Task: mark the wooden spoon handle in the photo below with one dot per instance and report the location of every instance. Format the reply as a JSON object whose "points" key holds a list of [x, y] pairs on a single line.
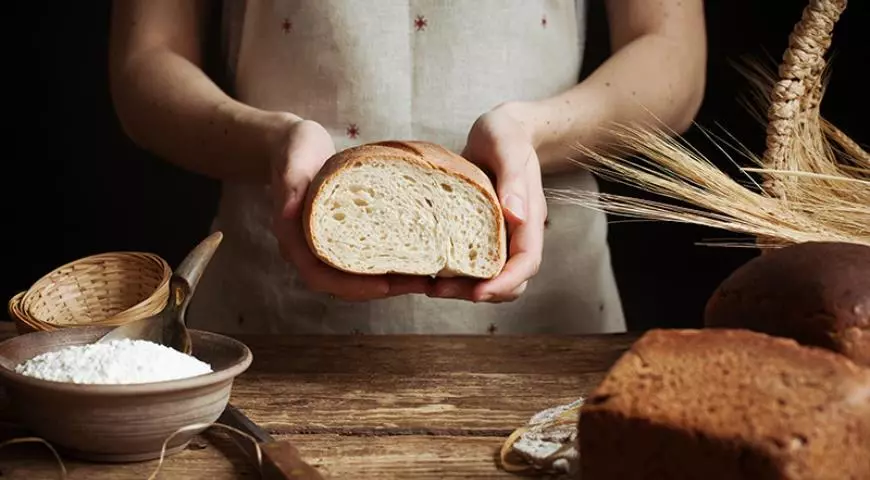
{"points": [[191, 268], [281, 461]]}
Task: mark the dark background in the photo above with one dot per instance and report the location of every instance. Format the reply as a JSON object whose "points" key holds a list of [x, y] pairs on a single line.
{"points": [[76, 186]]}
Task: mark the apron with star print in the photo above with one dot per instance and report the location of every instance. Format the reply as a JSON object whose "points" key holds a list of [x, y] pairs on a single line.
{"points": [[402, 69]]}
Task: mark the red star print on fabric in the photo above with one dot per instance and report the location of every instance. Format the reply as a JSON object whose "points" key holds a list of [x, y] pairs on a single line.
{"points": [[286, 26], [544, 21], [420, 23], [352, 130]]}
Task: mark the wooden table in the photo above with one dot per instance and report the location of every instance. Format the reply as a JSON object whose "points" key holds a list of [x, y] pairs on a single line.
{"points": [[375, 406]]}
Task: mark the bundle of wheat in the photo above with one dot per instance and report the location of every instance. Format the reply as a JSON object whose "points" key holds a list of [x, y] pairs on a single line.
{"points": [[811, 184]]}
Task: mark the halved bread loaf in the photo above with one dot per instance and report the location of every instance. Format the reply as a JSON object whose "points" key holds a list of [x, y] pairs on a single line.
{"points": [[405, 207]]}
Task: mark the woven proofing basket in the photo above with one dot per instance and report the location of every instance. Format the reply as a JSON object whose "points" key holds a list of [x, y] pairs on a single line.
{"points": [[107, 289]]}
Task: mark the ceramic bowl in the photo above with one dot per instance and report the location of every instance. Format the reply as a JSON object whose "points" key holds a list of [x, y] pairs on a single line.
{"points": [[118, 423]]}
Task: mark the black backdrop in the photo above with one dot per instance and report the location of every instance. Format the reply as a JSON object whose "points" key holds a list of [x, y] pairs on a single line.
{"points": [[76, 186]]}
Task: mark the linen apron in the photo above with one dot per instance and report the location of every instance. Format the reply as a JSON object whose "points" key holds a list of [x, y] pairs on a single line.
{"points": [[402, 69]]}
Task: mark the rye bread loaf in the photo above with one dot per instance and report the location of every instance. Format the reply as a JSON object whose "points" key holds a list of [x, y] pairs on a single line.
{"points": [[817, 293], [727, 404], [411, 208]]}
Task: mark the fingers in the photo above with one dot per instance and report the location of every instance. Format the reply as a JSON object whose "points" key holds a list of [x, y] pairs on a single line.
{"points": [[474, 291], [510, 155], [510, 284], [310, 146], [524, 262], [461, 288], [320, 277], [512, 182], [526, 235], [408, 284], [512, 281]]}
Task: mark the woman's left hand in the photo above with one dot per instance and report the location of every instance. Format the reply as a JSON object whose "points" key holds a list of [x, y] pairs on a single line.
{"points": [[500, 144]]}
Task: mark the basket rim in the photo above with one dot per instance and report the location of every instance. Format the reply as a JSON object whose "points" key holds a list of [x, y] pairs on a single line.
{"points": [[20, 318], [125, 253], [23, 296]]}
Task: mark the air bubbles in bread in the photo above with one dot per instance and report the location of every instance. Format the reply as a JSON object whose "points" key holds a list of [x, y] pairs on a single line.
{"points": [[422, 207]]}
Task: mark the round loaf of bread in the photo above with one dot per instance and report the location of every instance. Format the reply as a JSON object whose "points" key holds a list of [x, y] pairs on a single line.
{"points": [[817, 293], [412, 208]]}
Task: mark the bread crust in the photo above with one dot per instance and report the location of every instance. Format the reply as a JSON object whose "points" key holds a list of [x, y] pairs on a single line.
{"points": [[725, 404], [425, 154], [817, 293]]}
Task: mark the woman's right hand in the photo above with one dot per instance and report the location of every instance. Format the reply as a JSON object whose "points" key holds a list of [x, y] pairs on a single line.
{"points": [[298, 154]]}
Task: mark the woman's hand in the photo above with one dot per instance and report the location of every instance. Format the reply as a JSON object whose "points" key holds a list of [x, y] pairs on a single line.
{"points": [[502, 145], [298, 155]]}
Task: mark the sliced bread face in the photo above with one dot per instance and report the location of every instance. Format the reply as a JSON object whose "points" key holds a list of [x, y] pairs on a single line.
{"points": [[405, 207]]}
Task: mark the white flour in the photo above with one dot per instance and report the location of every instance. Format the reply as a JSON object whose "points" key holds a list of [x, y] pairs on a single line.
{"points": [[115, 362]]}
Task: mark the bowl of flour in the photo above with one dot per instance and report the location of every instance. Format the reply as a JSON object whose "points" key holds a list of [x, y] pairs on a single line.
{"points": [[118, 401]]}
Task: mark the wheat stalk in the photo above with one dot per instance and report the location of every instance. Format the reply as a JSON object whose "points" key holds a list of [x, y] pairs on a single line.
{"points": [[820, 191], [823, 202]]}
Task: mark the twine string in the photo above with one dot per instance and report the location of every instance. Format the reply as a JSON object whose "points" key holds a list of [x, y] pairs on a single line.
{"points": [[20, 440], [199, 426], [163, 448]]}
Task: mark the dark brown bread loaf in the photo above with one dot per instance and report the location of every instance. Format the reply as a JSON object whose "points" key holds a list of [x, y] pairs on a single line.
{"points": [[817, 293], [727, 404]]}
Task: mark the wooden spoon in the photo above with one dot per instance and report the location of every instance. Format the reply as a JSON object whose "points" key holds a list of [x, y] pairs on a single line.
{"points": [[280, 459], [169, 326]]}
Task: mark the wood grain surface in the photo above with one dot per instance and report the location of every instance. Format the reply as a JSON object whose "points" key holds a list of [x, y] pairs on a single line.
{"points": [[373, 406]]}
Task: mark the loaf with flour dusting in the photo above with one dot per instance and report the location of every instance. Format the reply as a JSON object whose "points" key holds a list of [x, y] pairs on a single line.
{"points": [[405, 207], [727, 404]]}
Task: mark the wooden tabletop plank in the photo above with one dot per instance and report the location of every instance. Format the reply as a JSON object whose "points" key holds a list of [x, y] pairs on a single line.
{"points": [[415, 355], [424, 354], [447, 404], [418, 457]]}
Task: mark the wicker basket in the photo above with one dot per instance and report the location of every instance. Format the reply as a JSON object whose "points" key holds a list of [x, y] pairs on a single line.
{"points": [[795, 98], [22, 322], [107, 289]]}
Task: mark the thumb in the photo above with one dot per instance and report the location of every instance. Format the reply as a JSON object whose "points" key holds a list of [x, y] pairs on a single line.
{"points": [[295, 183], [512, 187], [309, 147], [288, 186], [293, 180]]}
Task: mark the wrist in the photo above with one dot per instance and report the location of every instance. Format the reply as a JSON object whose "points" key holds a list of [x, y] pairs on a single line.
{"points": [[279, 127], [527, 115], [560, 123]]}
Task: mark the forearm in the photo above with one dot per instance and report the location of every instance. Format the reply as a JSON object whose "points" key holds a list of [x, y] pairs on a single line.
{"points": [[652, 80], [168, 106]]}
